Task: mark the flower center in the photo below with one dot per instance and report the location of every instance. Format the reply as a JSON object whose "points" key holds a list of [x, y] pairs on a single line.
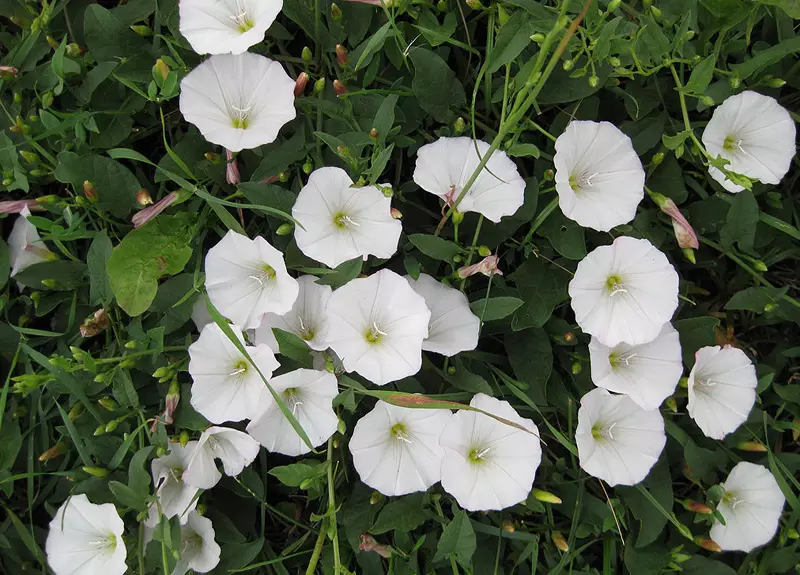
{"points": [[617, 359], [578, 183], [176, 473], [192, 542], [603, 431], [241, 19], [306, 332], [400, 433], [374, 334], [478, 454], [343, 221], [105, 541], [615, 286], [264, 273], [240, 117], [240, 368], [292, 398], [704, 385], [731, 499], [733, 144]]}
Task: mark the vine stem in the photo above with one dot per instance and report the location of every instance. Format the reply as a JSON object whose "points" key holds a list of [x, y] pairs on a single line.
{"points": [[312, 563], [334, 528]]}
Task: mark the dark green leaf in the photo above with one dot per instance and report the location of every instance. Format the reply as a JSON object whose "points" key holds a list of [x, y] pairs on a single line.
{"points": [[99, 284], [458, 538], [435, 247], [495, 307], [435, 85]]}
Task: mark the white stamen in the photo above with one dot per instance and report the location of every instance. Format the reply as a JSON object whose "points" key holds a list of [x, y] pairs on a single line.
{"points": [[376, 330], [348, 221], [588, 179], [480, 454], [402, 437], [610, 428], [236, 372], [626, 358], [618, 288]]}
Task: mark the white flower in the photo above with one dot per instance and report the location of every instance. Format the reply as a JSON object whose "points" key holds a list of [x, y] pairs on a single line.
{"points": [[488, 464], [309, 395], [226, 26], [376, 325], [599, 177], [86, 539], [25, 245], [752, 507], [453, 327], [445, 166], [339, 222], [226, 387], [647, 373], [307, 319], [247, 278], [396, 449], [722, 390], [624, 292], [618, 441], [237, 450], [756, 134], [199, 550], [238, 101], [175, 496]]}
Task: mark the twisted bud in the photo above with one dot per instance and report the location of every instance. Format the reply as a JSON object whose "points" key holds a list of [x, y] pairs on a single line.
{"points": [[487, 266], [300, 84], [232, 175], [684, 232]]}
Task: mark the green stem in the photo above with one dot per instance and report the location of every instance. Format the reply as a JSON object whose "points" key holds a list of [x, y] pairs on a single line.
{"points": [[337, 560], [685, 112], [472, 251], [312, 563], [543, 215], [167, 349]]}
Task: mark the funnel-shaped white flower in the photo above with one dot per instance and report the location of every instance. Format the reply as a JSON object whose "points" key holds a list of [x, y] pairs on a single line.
{"points": [[757, 136], [647, 373], [25, 245], [175, 496], [376, 325], [247, 278], [624, 292], [722, 390], [199, 550], [226, 26], [489, 465], [339, 222], [618, 441], [309, 395], [235, 449], [751, 506], [396, 449], [226, 386], [453, 327], [238, 101], [599, 177], [444, 167], [86, 539], [307, 319]]}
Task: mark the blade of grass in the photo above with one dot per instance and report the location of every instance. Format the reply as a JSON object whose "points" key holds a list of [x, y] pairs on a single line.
{"points": [[76, 438]]}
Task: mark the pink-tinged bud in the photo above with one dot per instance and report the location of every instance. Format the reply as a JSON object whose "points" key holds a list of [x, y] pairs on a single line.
{"points": [[232, 175], [559, 541], [341, 55], [683, 230], [90, 191], [708, 544], [8, 71], [16, 206], [368, 543], [141, 218], [487, 266], [143, 198], [697, 507], [172, 400], [300, 84], [339, 87], [396, 214], [95, 324], [270, 180]]}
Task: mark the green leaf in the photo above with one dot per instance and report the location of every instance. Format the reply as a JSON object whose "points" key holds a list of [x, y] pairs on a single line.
{"points": [[651, 520], [127, 496], [695, 332], [107, 38], [159, 248], [296, 473], [293, 347], [523, 151], [60, 275], [402, 515], [9, 161], [435, 247], [767, 57], [268, 195], [531, 358], [365, 51], [458, 538], [514, 37], [541, 286], [603, 47], [115, 185], [10, 442], [495, 308], [435, 85], [342, 273], [701, 76], [755, 298], [740, 225], [99, 284], [566, 236]]}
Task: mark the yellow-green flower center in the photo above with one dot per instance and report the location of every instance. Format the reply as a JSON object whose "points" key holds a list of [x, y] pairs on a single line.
{"points": [[732, 144], [477, 455], [239, 369], [374, 334], [342, 221]]}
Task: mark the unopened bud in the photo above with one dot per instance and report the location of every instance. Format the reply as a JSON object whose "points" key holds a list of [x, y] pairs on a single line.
{"points": [[792, 533], [546, 497], [100, 430], [29, 157], [89, 191], [657, 13], [707, 100], [508, 526], [475, 4], [697, 507], [755, 446], [559, 541], [569, 337], [538, 38], [375, 498], [549, 175], [144, 31], [734, 82], [594, 81], [108, 403], [341, 56], [672, 404], [577, 368], [688, 253], [96, 471], [614, 61], [658, 157], [341, 427], [284, 229], [373, 134], [776, 82], [143, 198], [771, 307], [343, 150], [396, 214], [184, 438], [339, 87], [127, 363], [484, 251], [458, 217], [308, 167], [708, 544], [319, 86], [689, 35], [459, 125], [307, 55], [568, 65], [212, 157], [161, 69], [75, 412], [614, 5], [55, 451], [760, 266], [336, 13], [300, 84], [283, 177]]}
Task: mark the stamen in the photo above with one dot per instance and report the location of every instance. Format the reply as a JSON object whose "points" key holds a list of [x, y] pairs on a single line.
{"points": [[240, 117], [588, 179], [376, 330], [618, 288], [626, 358], [344, 220], [403, 437], [258, 279], [610, 428], [483, 452], [236, 372]]}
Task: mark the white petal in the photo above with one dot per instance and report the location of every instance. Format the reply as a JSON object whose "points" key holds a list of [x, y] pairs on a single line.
{"points": [[199, 551], [234, 448], [722, 390], [175, 496], [223, 26], [25, 246], [200, 315], [202, 471], [453, 327]]}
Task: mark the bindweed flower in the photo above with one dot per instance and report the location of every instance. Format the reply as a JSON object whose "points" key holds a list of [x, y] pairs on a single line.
{"points": [[141, 217], [238, 101], [444, 167], [487, 266], [368, 543], [756, 135], [751, 505], [396, 449], [376, 325], [200, 553], [86, 539], [25, 245], [624, 292], [232, 175], [599, 177], [307, 319], [618, 441], [453, 327], [226, 26], [489, 465], [340, 222], [647, 373], [235, 449], [308, 394], [17, 206], [226, 387], [174, 496], [722, 390], [247, 278]]}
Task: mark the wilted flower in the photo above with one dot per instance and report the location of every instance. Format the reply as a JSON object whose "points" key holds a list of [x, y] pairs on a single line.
{"points": [[141, 217], [232, 175], [95, 324], [9, 70], [86, 539], [377, 326], [489, 465], [618, 441], [453, 327], [235, 449], [340, 222], [751, 506], [444, 167], [25, 245], [226, 26], [599, 177], [174, 495], [247, 278], [199, 551], [238, 101], [396, 449], [368, 543], [684, 232], [624, 292], [487, 266], [722, 390], [17, 206], [143, 198], [308, 394], [757, 136]]}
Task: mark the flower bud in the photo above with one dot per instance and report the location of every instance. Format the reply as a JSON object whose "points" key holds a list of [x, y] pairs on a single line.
{"points": [[484, 251], [658, 157], [594, 81], [336, 13], [546, 497], [144, 31], [671, 404], [771, 307], [459, 125], [451, 370], [657, 13], [7, 72], [183, 439], [508, 526], [89, 191], [755, 446], [127, 363], [614, 5], [339, 87], [487, 267], [707, 100], [29, 157], [734, 82], [373, 134], [308, 167], [341, 56], [306, 54], [161, 69], [212, 157], [538, 38], [108, 404], [232, 175], [96, 471], [38, 173], [284, 229], [577, 368], [55, 451], [300, 84], [143, 198], [475, 4], [776, 83], [760, 265], [614, 62], [112, 425], [396, 214], [697, 507], [559, 541], [343, 151], [171, 401], [568, 65], [283, 177], [319, 86], [688, 253], [100, 430], [708, 544], [75, 412], [375, 498], [458, 217], [792, 533]]}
